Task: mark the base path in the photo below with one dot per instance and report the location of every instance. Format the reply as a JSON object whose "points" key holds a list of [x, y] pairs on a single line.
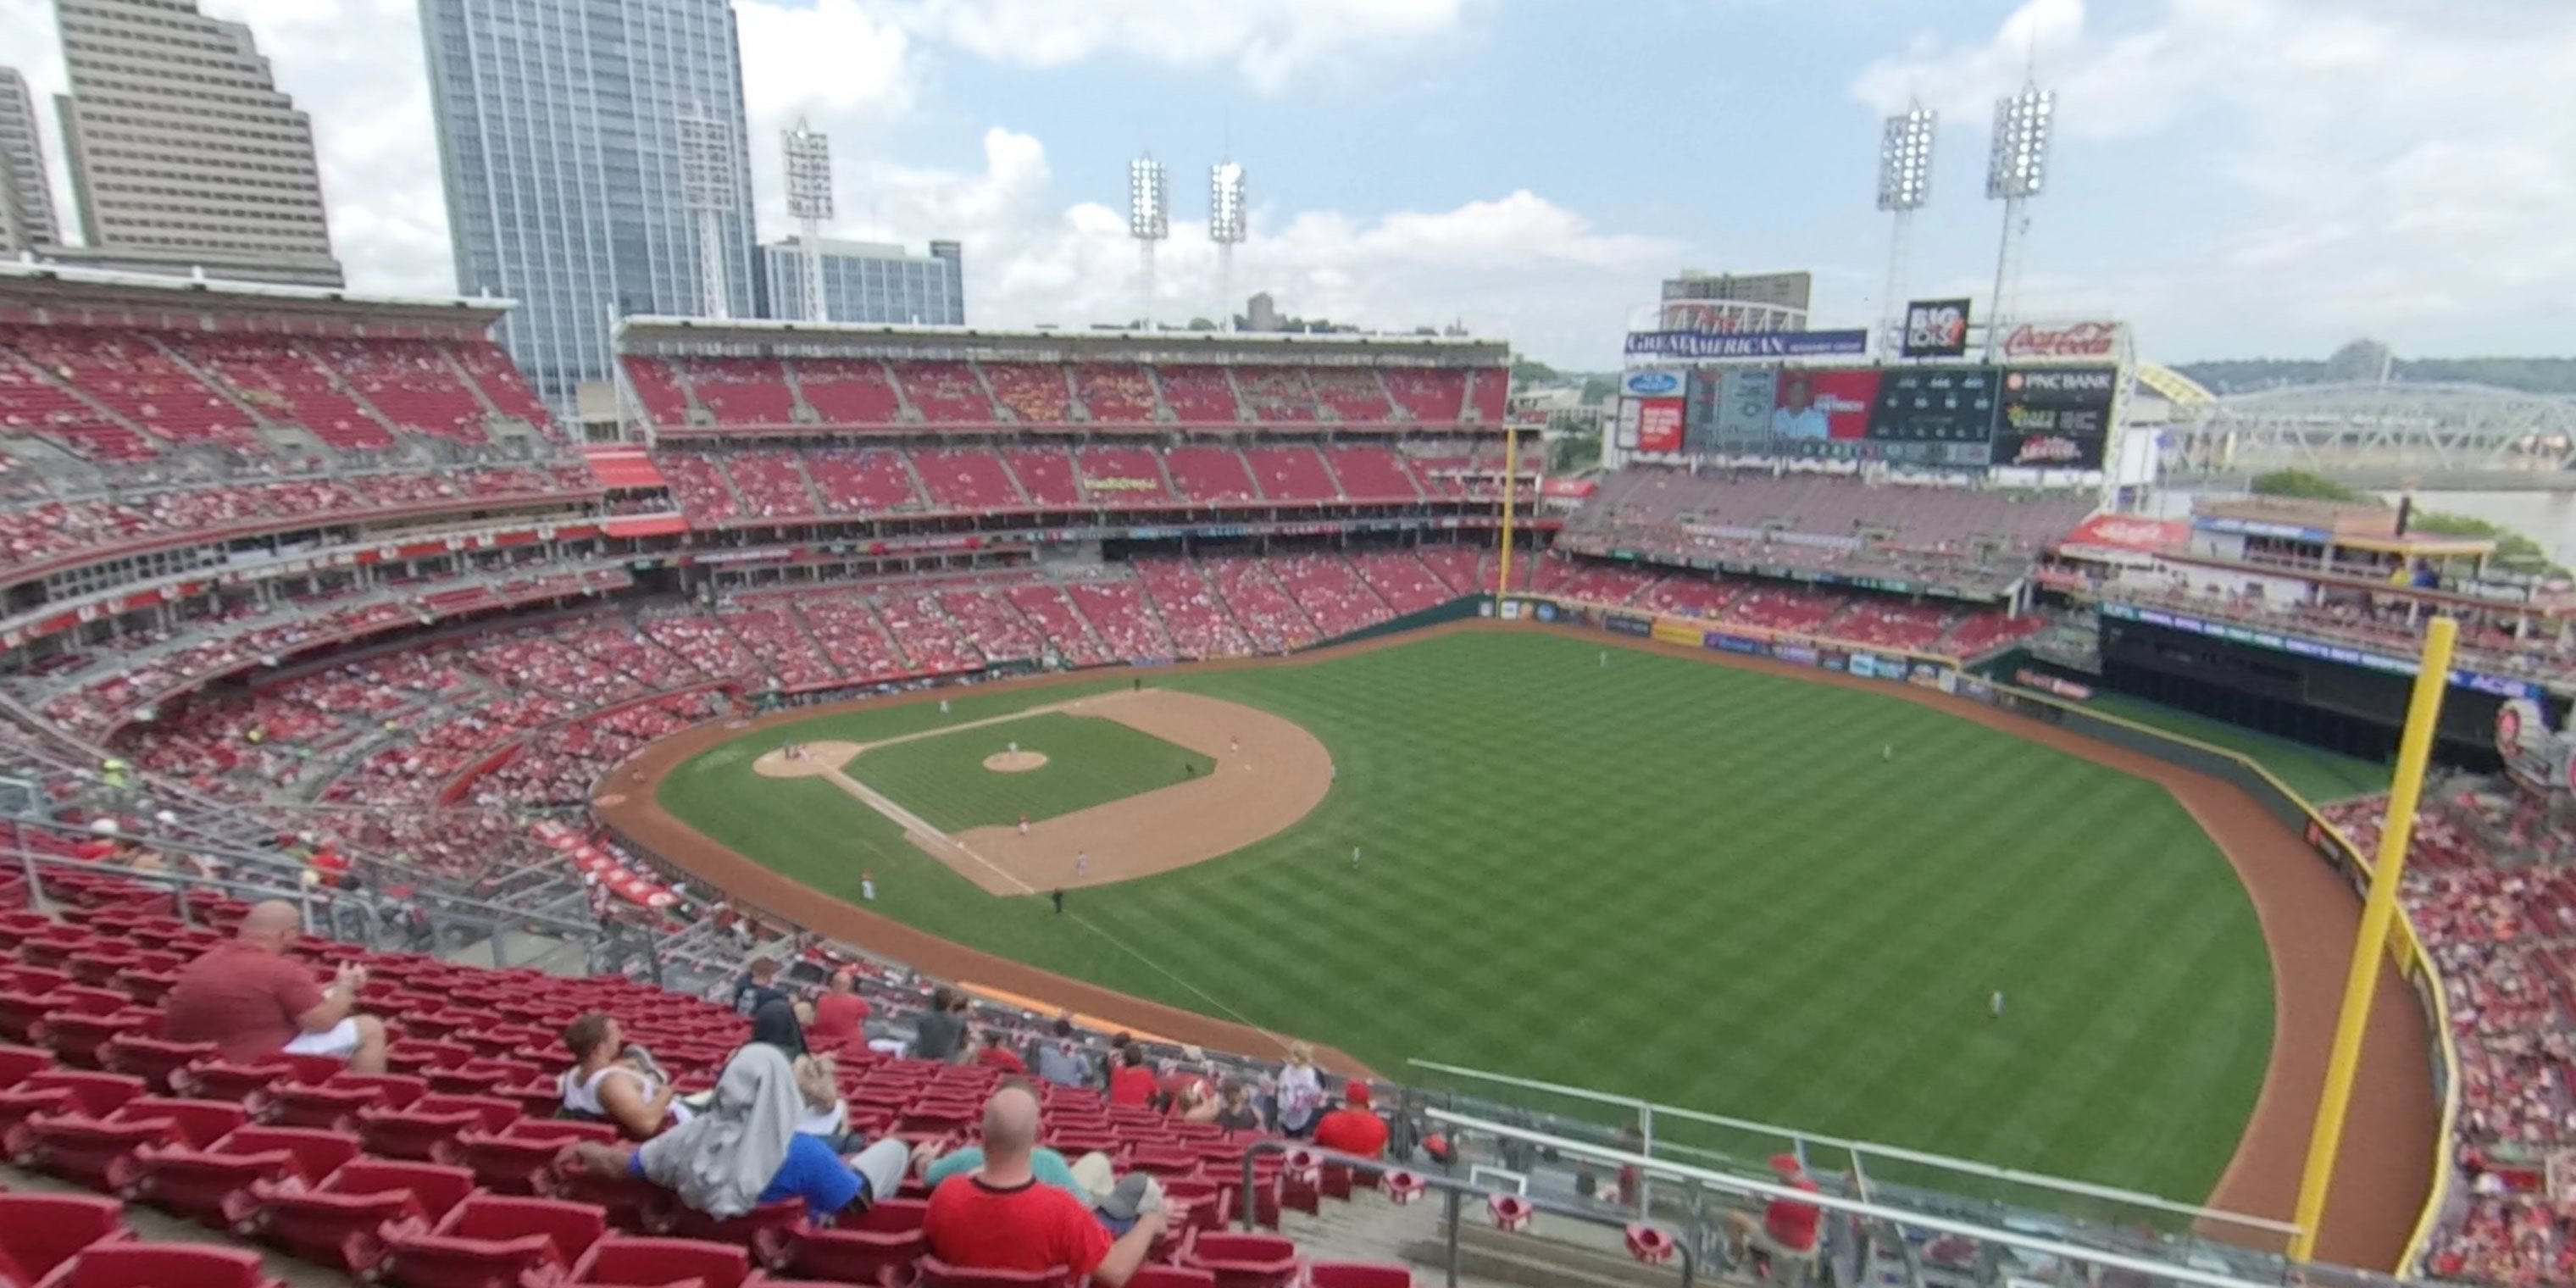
{"points": [[2308, 915], [1269, 773]]}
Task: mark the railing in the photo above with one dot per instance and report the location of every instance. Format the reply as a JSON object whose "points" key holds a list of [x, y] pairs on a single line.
{"points": [[2005, 1194], [2041, 1258], [1453, 1194]]}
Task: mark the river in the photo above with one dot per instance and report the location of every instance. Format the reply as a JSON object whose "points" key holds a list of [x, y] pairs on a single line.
{"points": [[2546, 517]]}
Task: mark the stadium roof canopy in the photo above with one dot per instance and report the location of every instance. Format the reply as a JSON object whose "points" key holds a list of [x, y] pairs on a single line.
{"points": [[752, 336], [31, 290]]}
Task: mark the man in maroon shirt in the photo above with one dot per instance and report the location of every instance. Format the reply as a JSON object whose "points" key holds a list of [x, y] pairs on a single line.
{"points": [[251, 1000], [1354, 1128], [840, 1014], [1788, 1228], [1000, 1217]]}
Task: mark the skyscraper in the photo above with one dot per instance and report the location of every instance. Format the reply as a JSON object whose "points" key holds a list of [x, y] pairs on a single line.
{"points": [[868, 282], [183, 153], [26, 204], [560, 126]]}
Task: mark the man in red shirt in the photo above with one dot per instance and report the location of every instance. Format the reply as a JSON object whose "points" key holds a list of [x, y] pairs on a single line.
{"points": [[1000, 1217], [1353, 1129], [251, 1000], [840, 1014], [1131, 1083], [994, 1054], [1788, 1227]]}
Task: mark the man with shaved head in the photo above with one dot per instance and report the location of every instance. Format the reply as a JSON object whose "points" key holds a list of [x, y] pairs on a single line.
{"points": [[1001, 1218], [251, 1000]]}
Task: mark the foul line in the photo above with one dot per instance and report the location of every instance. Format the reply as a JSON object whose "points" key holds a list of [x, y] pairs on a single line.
{"points": [[911, 822], [1166, 972]]}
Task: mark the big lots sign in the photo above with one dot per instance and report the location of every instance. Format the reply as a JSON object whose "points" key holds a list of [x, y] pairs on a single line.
{"points": [[2080, 340]]}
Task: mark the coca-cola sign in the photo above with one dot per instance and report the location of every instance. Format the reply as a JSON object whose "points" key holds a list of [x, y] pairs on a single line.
{"points": [[2081, 340]]}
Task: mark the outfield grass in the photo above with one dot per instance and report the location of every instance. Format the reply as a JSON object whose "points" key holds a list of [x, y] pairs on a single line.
{"points": [[1666, 879], [2312, 772], [1090, 762]]}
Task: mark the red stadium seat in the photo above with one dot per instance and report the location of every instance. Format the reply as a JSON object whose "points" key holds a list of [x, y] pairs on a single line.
{"points": [[344, 1220], [1355, 1274], [212, 1185], [876, 1248], [427, 1129], [41, 1231], [160, 1265], [939, 1274], [490, 1241], [1171, 1277], [621, 1260], [1242, 1260]]}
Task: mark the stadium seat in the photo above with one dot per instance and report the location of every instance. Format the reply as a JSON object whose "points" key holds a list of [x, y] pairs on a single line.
{"points": [[766, 1230], [490, 1241], [212, 1185], [621, 1260], [1356, 1274], [882, 1242], [1242, 1260], [939, 1274], [159, 1265], [41, 1231], [343, 1220], [426, 1130], [1171, 1277]]}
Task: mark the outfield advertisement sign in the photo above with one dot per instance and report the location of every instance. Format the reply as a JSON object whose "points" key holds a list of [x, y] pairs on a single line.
{"points": [[1726, 643], [2322, 650], [1628, 624], [1747, 344]]}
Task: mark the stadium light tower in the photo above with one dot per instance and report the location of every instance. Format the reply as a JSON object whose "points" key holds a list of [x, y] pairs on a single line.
{"points": [[708, 181], [1904, 186], [1149, 216], [2016, 171], [809, 200], [1228, 223]]}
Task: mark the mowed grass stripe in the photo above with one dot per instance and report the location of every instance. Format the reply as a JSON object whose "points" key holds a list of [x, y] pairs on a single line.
{"points": [[1662, 878]]}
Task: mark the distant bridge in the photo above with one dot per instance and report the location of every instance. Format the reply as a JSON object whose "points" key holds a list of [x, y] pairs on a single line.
{"points": [[2449, 436]]}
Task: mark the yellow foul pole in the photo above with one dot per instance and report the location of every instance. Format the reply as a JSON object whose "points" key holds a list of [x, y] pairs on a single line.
{"points": [[1511, 492], [2378, 915]]}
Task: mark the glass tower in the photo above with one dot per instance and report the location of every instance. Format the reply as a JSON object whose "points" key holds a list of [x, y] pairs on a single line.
{"points": [[866, 282], [559, 126]]}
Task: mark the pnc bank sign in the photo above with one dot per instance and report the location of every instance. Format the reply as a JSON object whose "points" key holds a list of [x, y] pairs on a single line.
{"points": [[2079, 341]]}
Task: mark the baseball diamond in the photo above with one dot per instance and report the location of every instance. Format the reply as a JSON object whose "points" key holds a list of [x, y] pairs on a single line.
{"points": [[1755, 889]]}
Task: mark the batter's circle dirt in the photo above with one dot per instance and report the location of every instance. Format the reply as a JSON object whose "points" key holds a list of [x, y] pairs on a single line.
{"points": [[2308, 915], [1015, 762]]}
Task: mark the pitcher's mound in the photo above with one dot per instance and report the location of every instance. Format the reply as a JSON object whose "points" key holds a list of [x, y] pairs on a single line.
{"points": [[1015, 762]]}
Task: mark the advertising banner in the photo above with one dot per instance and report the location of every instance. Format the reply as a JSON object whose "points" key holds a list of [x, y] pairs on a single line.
{"points": [[1936, 328], [1624, 436], [1625, 624], [1819, 406], [1936, 415], [1726, 643], [1747, 344], [2055, 418], [1833, 659], [1651, 384], [1865, 664], [1659, 425], [1798, 653], [1682, 633], [2072, 342]]}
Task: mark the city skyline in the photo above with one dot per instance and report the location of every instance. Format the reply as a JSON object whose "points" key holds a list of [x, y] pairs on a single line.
{"points": [[2261, 177]]}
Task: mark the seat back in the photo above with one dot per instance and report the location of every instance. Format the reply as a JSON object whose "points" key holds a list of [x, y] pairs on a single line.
{"points": [[159, 1265], [939, 1274], [661, 1261], [1357, 1274], [42, 1231]]}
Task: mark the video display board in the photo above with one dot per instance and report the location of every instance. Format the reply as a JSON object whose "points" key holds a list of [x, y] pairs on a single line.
{"points": [[1962, 416], [2055, 418]]}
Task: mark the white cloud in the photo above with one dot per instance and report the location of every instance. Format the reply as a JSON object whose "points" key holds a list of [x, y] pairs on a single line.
{"points": [[2401, 166], [1517, 265], [1268, 42]]}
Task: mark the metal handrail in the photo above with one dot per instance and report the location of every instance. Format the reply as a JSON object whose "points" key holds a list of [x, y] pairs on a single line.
{"points": [[1452, 1191], [1765, 1191]]}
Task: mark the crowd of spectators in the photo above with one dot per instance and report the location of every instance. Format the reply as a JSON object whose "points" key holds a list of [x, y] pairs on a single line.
{"points": [[2491, 888]]}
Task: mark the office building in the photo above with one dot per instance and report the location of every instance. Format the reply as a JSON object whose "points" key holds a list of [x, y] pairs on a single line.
{"points": [[26, 202], [869, 282], [560, 129], [1698, 301], [183, 153]]}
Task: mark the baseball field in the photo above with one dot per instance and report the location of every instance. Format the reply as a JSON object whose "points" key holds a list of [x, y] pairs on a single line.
{"points": [[1716, 887]]}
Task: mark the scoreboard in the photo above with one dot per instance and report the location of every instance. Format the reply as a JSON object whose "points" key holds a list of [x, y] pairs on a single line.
{"points": [[1959, 416]]}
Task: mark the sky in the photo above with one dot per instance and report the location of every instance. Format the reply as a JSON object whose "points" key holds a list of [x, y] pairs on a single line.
{"points": [[2236, 178]]}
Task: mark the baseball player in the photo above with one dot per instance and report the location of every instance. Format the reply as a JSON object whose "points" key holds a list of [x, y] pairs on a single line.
{"points": [[1995, 1006], [1024, 825], [868, 886], [1355, 858], [1887, 752], [1081, 864]]}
